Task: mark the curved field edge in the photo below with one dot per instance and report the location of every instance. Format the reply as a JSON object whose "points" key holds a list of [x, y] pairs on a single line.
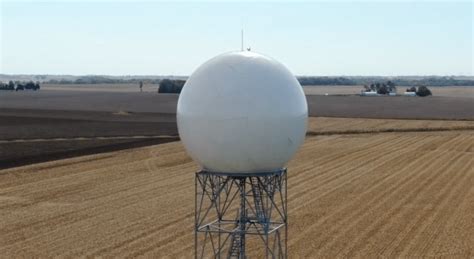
{"points": [[399, 194]]}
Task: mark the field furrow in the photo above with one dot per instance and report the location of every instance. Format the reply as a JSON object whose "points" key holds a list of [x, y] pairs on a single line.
{"points": [[399, 194]]}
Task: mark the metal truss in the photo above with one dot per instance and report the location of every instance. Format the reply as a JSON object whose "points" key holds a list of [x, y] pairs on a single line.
{"points": [[239, 215]]}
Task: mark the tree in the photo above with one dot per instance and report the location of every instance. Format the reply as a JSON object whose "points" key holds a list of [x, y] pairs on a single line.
{"points": [[382, 89], [30, 85], [19, 86], [372, 87], [423, 91], [171, 86], [377, 86], [391, 86], [165, 86], [11, 85]]}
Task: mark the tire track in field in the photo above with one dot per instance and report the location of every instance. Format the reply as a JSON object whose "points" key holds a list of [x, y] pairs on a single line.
{"points": [[296, 209], [67, 165], [150, 236], [97, 212], [76, 221], [456, 227], [360, 211], [327, 217], [384, 222], [319, 196], [464, 219], [144, 182], [69, 253], [389, 130], [395, 210], [149, 233], [103, 223], [60, 179], [404, 236], [351, 178], [437, 220], [406, 196], [177, 190], [359, 215], [348, 157], [125, 230], [180, 170], [137, 237], [307, 177], [312, 151], [141, 251], [364, 150], [353, 155], [64, 172], [309, 133], [39, 140]]}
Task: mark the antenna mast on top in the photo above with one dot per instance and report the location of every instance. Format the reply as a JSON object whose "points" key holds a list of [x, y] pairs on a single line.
{"points": [[242, 40]]}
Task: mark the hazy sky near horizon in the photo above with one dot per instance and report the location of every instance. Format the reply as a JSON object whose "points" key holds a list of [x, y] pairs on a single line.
{"points": [[174, 38]]}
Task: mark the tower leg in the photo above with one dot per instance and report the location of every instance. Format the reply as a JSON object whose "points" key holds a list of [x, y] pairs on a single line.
{"points": [[243, 218], [258, 229]]}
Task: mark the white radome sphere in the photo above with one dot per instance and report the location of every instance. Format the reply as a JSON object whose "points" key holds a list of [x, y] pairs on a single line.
{"points": [[242, 112]]}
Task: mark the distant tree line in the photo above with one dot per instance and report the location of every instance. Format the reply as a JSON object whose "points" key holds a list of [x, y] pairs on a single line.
{"points": [[102, 80], [324, 80], [406, 81], [17, 85], [171, 86], [304, 80]]}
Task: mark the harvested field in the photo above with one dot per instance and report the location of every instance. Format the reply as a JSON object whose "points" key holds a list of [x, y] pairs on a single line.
{"points": [[101, 87], [117, 102], [447, 91], [407, 194], [327, 126], [24, 152], [392, 107], [36, 136], [31, 136]]}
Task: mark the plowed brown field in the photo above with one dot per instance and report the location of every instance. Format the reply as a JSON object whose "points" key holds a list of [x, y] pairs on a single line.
{"points": [[400, 194]]}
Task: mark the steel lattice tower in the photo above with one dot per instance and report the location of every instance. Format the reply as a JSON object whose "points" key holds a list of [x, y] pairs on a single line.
{"points": [[240, 214]]}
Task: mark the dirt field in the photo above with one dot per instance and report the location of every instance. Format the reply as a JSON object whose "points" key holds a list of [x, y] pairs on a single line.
{"points": [[36, 136], [400, 107], [408, 194], [30, 136], [327, 126], [101, 87], [447, 91], [94, 114]]}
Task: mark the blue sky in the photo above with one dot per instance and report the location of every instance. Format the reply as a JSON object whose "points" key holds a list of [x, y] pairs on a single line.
{"points": [[173, 38]]}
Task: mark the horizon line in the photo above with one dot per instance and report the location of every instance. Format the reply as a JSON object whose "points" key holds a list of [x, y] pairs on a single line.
{"points": [[157, 75]]}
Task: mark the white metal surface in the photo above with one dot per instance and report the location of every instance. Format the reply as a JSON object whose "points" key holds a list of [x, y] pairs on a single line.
{"points": [[371, 93], [242, 112], [410, 94]]}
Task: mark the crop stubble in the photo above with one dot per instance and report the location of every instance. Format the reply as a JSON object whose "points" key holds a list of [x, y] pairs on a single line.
{"points": [[361, 195]]}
